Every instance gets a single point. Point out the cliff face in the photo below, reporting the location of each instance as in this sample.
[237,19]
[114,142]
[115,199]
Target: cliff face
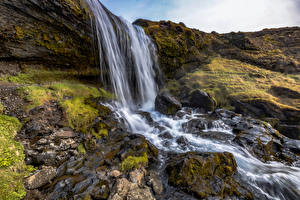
[50,32]
[180,47]
[252,73]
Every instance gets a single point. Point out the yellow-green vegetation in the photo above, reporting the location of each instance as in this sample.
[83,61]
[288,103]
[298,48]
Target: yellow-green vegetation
[132,162]
[224,79]
[36,95]
[79,114]
[101,130]
[72,97]
[42,75]
[2,108]
[176,43]
[19,33]
[81,149]
[12,167]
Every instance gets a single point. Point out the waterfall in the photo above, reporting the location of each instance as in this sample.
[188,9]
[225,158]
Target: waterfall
[128,61]
[129,56]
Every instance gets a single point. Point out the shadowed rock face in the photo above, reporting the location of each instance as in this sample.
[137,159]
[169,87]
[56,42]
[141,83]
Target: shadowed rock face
[56,32]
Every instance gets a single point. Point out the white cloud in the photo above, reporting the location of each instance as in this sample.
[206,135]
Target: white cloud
[235,15]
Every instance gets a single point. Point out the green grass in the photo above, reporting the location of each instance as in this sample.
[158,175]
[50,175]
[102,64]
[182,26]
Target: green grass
[44,76]
[224,79]
[12,167]
[132,162]
[80,115]
[73,99]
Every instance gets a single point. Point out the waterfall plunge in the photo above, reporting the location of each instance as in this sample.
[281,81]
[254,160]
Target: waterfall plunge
[130,57]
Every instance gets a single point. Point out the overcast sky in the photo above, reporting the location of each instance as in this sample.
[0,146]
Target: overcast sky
[212,15]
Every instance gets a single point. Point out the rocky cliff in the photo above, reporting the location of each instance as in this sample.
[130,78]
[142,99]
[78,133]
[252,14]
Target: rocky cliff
[56,32]
[255,73]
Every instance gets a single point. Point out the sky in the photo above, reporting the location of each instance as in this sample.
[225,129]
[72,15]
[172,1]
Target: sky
[221,16]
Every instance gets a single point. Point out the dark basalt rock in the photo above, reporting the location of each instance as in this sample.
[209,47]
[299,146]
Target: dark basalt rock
[206,175]
[49,32]
[199,99]
[166,104]
[291,131]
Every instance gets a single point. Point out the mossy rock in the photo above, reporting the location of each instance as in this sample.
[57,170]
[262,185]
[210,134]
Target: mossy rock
[206,175]
[12,166]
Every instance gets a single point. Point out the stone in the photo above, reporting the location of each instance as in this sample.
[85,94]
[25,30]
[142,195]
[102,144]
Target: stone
[166,104]
[41,178]
[65,134]
[155,182]
[199,99]
[205,174]
[137,176]
[115,173]
[125,189]
[166,135]
[290,131]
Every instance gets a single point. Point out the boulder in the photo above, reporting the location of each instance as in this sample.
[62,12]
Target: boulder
[290,131]
[41,178]
[166,104]
[206,175]
[199,99]
[125,189]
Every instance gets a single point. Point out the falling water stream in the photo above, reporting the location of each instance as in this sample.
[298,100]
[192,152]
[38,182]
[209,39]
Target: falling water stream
[130,57]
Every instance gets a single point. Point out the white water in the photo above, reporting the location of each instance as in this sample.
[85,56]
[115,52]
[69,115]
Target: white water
[129,55]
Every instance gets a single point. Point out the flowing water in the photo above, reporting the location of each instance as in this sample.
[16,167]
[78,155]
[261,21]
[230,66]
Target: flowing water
[129,56]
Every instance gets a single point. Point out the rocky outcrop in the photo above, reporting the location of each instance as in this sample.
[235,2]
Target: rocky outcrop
[207,175]
[166,104]
[50,32]
[181,49]
[199,99]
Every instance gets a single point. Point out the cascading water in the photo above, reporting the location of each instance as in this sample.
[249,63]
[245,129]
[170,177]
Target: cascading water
[130,57]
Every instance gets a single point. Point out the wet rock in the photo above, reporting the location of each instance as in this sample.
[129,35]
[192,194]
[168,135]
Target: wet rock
[206,175]
[195,125]
[166,104]
[199,99]
[293,145]
[220,136]
[291,131]
[154,180]
[166,135]
[146,116]
[41,178]
[182,141]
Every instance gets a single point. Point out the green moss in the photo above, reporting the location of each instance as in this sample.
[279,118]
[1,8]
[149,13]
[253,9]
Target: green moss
[43,76]
[12,167]
[36,95]
[100,131]
[132,162]
[81,149]
[226,79]
[80,116]
[19,33]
